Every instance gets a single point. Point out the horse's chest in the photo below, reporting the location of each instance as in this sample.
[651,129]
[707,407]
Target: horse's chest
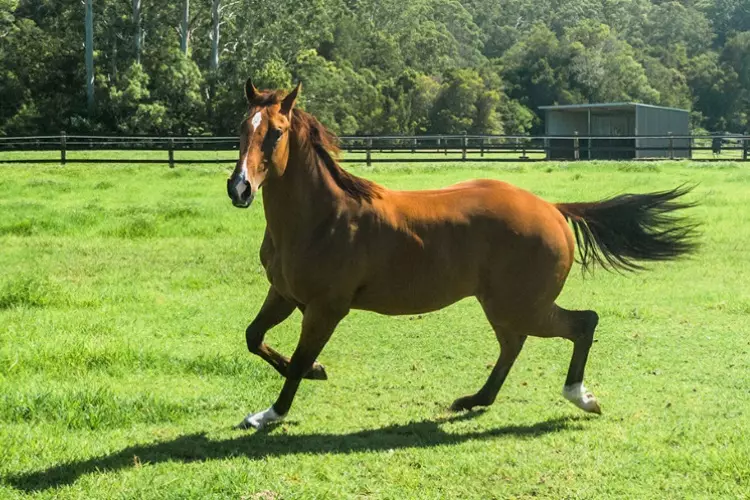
[272,263]
[286,275]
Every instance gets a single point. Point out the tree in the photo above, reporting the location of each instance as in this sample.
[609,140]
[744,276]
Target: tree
[7,8]
[184,29]
[671,24]
[138,32]
[736,55]
[90,56]
[467,103]
[716,91]
[727,17]
[368,66]
[533,70]
[603,67]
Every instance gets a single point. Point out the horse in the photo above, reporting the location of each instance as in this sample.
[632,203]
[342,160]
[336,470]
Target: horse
[336,242]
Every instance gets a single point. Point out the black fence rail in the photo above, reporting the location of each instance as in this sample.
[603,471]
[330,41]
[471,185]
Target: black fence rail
[381,149]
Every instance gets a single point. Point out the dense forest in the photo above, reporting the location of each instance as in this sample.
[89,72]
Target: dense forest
[367,66]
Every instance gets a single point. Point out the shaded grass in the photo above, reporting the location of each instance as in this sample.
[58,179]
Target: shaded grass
[27,291]
[126,290]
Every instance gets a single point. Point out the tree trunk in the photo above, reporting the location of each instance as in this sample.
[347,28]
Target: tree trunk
[214,61]
[215,24]
[138,29]
[185,27]
[89,20]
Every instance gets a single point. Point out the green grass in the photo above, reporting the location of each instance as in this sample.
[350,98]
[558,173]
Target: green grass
[125,292]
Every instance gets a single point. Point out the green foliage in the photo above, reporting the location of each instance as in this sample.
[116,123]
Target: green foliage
[370,66]
[603,68]
[467,104]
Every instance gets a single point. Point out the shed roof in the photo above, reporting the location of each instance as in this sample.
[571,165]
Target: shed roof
[607,106]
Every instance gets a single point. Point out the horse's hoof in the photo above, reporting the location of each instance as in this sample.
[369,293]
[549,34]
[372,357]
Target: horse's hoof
[317,372]
[593,407]
[583,399]
[245,424]
[462,404]
[259,420]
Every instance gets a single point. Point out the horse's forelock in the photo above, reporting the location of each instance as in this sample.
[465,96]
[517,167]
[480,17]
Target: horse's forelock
[267,98]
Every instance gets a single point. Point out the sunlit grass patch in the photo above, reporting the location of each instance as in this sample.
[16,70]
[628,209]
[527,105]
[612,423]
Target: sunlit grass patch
[125,291]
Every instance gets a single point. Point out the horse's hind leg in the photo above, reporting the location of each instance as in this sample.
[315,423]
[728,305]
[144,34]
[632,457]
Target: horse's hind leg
[574,391]
[274,310]
[577,326]
[511,344]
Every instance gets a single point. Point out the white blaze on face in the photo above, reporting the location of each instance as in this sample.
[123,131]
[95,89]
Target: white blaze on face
[256,120]
[241,186]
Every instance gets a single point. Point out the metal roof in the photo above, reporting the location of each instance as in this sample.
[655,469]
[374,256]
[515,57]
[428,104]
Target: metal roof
[605,106]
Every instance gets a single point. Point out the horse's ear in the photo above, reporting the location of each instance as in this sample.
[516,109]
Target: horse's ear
[288,103]
[250,91]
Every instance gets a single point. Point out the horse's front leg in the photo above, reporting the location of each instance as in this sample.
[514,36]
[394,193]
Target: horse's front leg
[274,310]
[318,324]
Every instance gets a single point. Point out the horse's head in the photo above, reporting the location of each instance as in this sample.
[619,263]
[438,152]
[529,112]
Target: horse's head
[264,143]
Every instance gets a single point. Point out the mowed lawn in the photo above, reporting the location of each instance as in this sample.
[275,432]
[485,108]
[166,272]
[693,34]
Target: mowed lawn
[125,292]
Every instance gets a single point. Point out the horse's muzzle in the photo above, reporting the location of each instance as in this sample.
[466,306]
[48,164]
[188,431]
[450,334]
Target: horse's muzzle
[240,192]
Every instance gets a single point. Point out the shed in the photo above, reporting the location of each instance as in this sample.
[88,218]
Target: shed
[636,131]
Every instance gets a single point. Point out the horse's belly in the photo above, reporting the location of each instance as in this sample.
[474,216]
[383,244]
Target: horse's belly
[414,291]
[396,304]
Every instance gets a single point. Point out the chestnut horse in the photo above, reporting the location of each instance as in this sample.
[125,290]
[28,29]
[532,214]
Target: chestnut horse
[335,242]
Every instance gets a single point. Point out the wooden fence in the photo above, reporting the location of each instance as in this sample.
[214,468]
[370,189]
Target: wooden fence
[381,149]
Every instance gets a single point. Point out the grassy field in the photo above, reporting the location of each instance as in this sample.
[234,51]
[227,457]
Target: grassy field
[125,292]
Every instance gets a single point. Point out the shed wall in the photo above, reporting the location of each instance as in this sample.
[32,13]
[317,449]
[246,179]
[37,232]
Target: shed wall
[562,123]
[658,121]
[565,124]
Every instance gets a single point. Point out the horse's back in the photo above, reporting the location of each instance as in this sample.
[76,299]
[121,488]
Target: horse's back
[486,204]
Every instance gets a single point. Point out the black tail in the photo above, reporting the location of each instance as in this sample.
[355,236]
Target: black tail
[618,232]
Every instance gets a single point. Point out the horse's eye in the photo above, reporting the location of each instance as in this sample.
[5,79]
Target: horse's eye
[272,138]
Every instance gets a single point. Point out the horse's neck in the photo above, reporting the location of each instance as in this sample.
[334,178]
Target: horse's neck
[297,202]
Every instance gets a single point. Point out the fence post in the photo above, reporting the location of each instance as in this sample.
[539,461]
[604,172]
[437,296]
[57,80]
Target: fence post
[576,146]
[414,146]
[481,147]
[369,151]
[744,148]
[171,152]
[671,146]
[63,147]
[463,147]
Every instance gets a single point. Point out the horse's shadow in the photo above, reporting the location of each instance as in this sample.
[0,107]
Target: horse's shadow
[197,447]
